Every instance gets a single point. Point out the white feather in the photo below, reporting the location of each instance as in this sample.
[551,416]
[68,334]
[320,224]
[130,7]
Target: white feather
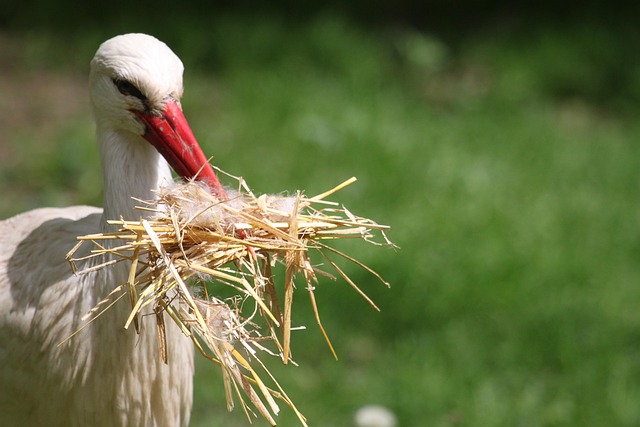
[104,376]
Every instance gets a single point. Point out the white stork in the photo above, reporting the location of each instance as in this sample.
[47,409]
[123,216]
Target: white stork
[105,376]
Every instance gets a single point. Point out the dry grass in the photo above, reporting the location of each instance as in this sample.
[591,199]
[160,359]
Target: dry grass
[192,245]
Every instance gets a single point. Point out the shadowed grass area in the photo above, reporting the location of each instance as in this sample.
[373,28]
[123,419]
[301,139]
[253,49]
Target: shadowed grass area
[512,193]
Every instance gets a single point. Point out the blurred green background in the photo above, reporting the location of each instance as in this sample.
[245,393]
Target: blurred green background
[500,142]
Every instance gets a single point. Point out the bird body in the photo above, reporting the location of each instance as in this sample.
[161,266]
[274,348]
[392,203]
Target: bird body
[105,375]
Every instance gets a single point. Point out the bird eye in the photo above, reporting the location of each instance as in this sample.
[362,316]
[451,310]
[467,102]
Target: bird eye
[127,88]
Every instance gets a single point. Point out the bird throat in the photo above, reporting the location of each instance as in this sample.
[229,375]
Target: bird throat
[132,171]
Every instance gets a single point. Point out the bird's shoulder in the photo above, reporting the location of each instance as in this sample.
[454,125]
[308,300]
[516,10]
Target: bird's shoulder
[79,217]
[34,247]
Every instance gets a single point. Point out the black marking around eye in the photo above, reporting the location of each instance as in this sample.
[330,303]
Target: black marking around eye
[127,88]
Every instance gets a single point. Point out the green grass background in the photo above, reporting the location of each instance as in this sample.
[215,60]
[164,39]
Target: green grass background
[507,166]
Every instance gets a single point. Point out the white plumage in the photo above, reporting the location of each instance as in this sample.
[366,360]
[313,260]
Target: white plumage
[105,376]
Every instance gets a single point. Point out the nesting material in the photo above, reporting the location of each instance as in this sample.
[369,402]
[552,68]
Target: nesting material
[209,265]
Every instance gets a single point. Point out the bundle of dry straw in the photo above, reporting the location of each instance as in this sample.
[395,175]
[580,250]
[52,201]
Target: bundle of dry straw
[193,245]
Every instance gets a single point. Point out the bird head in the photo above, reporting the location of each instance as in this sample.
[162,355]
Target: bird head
[136,86]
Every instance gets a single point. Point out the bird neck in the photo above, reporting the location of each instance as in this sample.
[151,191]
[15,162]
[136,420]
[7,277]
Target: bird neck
[132,169]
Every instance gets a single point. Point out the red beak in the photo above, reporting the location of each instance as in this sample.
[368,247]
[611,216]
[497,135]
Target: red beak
[171,135]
